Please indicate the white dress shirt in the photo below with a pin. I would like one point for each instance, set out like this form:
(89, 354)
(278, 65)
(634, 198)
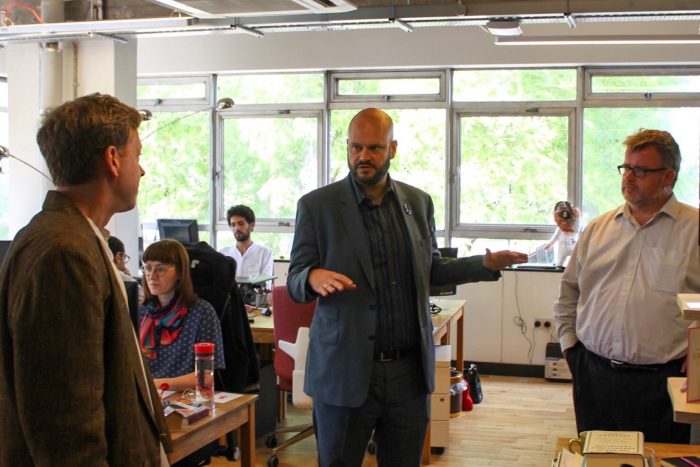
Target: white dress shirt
(256, 260)
(618, 293)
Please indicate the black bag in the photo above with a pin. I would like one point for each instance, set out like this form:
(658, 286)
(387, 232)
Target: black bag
(474, 384)
(214, 280)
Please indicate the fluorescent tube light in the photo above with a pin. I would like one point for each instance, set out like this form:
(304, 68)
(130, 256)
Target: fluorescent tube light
(598, 40)
(251, 31)
(117, 25)
(402, 24)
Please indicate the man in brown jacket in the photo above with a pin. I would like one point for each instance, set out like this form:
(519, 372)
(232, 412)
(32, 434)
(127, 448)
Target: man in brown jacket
(73, 387)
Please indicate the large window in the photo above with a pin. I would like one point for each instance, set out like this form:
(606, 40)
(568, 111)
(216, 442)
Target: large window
(512, 168)
(176, 153)
(420, 154)
(603, 151)
(495, 148)
(268, 164)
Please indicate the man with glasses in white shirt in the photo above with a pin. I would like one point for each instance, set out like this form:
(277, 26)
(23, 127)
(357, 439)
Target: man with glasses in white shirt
(619, 326)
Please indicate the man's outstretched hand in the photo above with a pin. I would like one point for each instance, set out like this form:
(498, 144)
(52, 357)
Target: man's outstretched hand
(502, 259)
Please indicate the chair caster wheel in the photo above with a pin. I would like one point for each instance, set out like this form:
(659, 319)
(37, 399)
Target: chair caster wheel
(273, 461)
(372, 448)
(271, 441)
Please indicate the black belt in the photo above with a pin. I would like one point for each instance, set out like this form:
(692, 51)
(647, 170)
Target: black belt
(623, 366)
(390, 355)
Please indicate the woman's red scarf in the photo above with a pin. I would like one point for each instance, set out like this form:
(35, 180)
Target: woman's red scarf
(161, 326)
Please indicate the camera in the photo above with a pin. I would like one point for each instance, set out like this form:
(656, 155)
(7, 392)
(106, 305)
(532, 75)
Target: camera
(566, 214)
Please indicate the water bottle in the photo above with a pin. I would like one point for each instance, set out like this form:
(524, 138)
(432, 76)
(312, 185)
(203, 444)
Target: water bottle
(204, 371)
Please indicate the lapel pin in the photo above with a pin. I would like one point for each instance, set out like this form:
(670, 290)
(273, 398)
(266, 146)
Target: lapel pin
(407, 208)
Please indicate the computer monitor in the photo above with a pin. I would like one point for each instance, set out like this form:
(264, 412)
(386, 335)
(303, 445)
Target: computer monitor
(182, 230)
(443, 290)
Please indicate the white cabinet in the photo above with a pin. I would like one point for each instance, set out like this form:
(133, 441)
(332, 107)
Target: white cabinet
(440, 398)
(493, 309)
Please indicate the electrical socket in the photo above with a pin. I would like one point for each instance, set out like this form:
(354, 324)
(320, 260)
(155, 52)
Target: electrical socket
(544, 323)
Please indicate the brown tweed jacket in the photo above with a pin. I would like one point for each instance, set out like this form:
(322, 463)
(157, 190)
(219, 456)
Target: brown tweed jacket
(72, 392)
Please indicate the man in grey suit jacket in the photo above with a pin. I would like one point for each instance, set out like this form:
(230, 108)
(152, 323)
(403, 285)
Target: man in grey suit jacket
(365, 247)
(73, 387)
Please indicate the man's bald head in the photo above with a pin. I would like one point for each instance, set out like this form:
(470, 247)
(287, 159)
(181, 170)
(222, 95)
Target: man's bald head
(373, 117)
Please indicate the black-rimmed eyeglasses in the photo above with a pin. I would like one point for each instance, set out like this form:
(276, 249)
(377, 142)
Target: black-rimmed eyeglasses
(639, 172)
(125, 258)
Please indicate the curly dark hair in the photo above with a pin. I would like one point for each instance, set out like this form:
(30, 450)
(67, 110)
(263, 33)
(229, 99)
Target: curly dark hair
(242, 211)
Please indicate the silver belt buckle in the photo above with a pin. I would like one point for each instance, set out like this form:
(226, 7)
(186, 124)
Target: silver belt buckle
(616, 363)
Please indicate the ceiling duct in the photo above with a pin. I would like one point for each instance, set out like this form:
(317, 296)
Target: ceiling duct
(235, 8)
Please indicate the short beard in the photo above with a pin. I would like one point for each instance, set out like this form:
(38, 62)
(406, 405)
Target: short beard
(243, 237)
(374, 180)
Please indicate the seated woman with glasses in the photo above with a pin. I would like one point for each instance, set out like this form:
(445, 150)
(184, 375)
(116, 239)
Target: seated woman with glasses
(172, 319)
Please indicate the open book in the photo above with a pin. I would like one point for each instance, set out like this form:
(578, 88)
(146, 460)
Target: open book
(614, 448)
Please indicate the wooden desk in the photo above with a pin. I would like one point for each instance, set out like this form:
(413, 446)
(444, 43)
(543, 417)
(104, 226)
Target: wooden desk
(660, 449)
(452, 313)
(263, 330)
(239, 413)
(683, 411)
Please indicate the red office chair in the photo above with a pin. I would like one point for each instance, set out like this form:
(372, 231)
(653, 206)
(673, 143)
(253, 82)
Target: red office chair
(288, 317)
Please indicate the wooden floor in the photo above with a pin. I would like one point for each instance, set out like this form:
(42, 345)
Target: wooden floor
(517, 424)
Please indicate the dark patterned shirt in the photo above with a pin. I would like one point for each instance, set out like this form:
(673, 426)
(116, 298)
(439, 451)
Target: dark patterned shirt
(390, 251)
(177, 359)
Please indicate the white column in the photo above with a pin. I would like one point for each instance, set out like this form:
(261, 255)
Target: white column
(109, 67)
(98, 65)
(27, 188)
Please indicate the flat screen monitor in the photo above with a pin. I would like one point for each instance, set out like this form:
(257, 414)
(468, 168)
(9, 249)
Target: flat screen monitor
(182, 230)
(443, 290)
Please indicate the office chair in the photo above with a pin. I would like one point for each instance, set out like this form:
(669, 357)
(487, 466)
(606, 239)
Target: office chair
(291, 322)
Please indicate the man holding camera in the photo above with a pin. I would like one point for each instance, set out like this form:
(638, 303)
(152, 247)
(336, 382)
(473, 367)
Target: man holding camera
(617, 319)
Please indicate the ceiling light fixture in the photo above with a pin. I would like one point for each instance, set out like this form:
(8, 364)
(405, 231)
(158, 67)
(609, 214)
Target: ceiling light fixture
(117, 25)
(598, 40)
(401, 24)
(570, 20)
(504, 27)
(251, 31)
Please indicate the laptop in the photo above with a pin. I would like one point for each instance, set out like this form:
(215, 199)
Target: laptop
(537, 267)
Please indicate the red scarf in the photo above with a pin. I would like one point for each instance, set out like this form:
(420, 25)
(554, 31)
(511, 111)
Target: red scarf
(161, 326)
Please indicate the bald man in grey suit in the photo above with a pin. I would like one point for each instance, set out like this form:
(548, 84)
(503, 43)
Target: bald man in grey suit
(365, 247)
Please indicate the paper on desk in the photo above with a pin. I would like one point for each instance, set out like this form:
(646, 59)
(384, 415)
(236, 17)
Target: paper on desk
(164, 394)
(223, 397)
(569, 459)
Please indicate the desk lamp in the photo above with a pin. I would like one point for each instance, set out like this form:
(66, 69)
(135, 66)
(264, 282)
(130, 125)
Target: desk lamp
(5, 153)
(222, 104)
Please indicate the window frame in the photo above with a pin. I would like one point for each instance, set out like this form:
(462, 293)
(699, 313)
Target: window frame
(274, 225)
(513, 109)
(601, 98)
(337, 76)
(573, 109)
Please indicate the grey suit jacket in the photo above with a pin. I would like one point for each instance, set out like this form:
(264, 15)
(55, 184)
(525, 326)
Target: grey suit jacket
(330, 234)
(72, 391)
